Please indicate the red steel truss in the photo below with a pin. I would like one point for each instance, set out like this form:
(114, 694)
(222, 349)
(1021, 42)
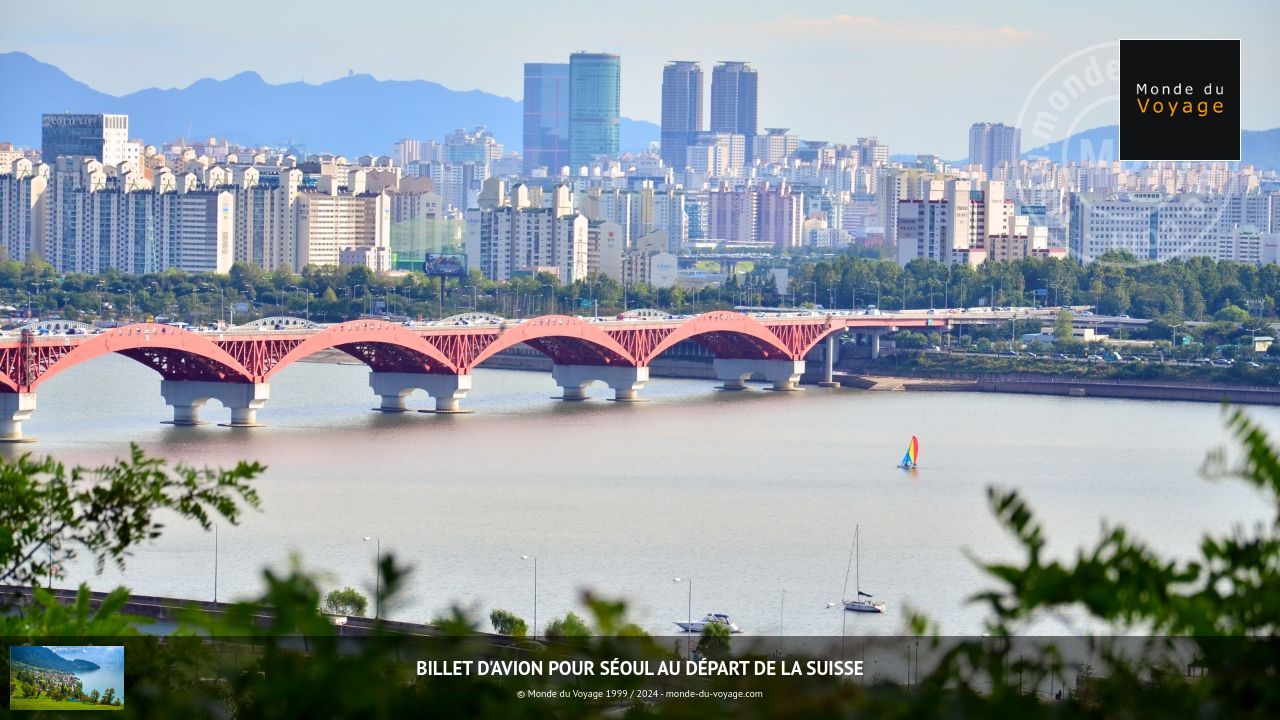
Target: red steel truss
(254, 355)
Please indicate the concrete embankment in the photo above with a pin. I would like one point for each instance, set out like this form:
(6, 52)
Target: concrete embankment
(1109, 389)
(165, 613)
(864, 378)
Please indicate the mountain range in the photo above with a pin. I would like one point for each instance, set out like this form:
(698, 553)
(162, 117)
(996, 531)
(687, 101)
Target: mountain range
(42, 657)
(344, 115)
(1259, 148)
(353, 115)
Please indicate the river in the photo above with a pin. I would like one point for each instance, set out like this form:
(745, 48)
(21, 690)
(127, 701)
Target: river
(754, 496)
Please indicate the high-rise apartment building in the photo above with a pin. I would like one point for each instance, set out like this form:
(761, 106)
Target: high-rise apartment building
(595, 82)
(766, 214)
(957, 221)
(104, 138)
(22, 211)
(734, 102)
(681, 110)
(1158, 226)
(546, 117)
(994, 145)
(775, 146)
(508, 233)
(329, 222)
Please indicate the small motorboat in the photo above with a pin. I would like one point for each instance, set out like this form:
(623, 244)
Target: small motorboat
(708, 619)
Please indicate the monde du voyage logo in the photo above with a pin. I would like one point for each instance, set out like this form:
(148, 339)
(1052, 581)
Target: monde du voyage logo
(1180, 99)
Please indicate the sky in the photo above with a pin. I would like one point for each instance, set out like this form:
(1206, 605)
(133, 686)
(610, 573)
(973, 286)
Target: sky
(916, 74)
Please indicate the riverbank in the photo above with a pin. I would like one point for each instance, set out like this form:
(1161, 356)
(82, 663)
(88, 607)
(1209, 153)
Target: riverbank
(895, 375)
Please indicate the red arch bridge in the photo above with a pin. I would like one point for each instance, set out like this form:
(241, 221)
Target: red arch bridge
(235, 365)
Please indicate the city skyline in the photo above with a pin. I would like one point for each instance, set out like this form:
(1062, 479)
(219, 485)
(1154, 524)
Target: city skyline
(815, 60)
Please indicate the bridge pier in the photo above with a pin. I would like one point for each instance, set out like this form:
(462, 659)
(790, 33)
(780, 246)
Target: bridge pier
(14, 409)
(829, 362)
(188, 396)
(626, 381)
(734, 372)
(394, 388)
(875, 345)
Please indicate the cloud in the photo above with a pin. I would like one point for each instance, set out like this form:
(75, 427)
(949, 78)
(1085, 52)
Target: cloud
(871, 30)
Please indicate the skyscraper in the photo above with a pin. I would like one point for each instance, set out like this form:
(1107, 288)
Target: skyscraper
(546, 116)
(101, 137)
(734, 88)
(595, 81)
(681, 110)
(991, 145)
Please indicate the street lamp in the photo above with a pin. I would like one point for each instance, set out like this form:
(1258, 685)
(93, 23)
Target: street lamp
(689, 626)
(815, 293)
(535, 592)
(377, 588)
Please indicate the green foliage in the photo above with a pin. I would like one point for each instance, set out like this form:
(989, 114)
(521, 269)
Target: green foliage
(570, 626)
(49, 515)
(1063, 325)
(1232, 314)
(957, 365)
(714, 641)
(347, 601)
(506, 622)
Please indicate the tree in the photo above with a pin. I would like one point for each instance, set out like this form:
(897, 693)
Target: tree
(714, 642)
(93, 697)
(506, 622)
(1063, 328)
(49, 514)
(347, 601)
(108, 695)
(1232, 314)
(571, 626)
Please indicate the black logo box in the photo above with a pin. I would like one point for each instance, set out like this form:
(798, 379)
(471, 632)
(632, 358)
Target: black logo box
(1188, 65)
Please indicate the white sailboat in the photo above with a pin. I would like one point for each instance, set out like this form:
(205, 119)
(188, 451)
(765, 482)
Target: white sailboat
(858, 603)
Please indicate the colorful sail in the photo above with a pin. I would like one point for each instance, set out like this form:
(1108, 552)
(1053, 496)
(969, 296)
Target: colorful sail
(913, 452)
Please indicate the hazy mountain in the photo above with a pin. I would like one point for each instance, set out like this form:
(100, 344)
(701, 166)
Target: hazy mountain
(353, 115)
(42, 657)
(1259, 148)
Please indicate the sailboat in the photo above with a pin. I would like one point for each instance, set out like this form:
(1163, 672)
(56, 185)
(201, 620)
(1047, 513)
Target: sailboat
(913, 452)
(858, 603)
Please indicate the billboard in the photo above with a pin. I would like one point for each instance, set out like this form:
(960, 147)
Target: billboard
(445, 265)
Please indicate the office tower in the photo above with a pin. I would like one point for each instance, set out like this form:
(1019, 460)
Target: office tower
(546, 117)
(681, 110)
(595, 81)
(734, 88)
(993, 145)
(102, 137)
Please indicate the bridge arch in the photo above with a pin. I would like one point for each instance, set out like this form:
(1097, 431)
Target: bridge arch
(474, 318)
(279, 322)
(566, 340)
(646, 314)
(175, 353)
(728, 335)
(58, 327)
(382, 345)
